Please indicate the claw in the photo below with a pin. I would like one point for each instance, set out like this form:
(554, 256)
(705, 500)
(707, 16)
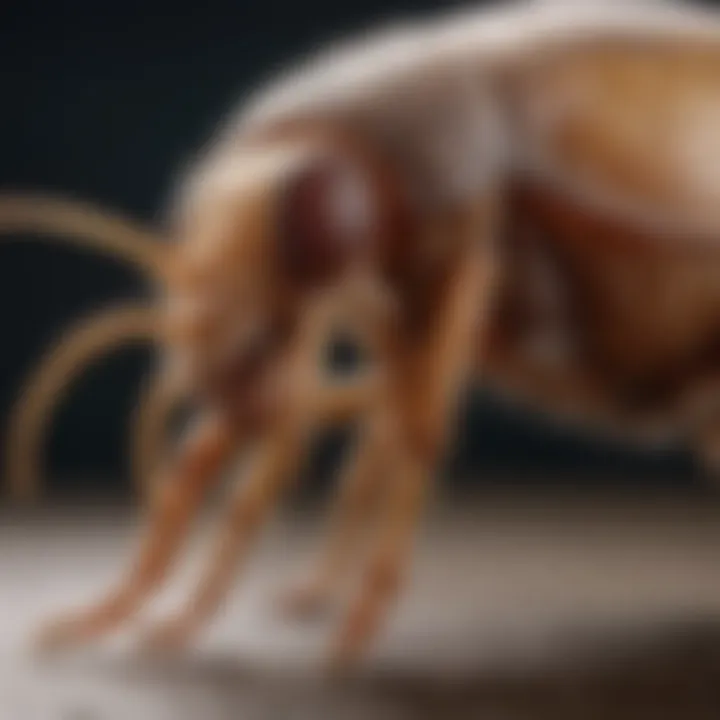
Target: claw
(56, 635)
(308, 601)
(71, 631)
(341, 659)
(169, 636)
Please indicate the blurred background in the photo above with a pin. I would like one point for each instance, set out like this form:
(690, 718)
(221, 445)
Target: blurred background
(104, 102)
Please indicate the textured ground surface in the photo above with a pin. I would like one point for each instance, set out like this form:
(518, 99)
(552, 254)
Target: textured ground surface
(516, 611)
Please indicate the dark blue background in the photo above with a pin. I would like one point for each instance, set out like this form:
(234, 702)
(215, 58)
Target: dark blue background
(103, 102)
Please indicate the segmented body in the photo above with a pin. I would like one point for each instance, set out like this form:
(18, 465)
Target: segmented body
(599, 126)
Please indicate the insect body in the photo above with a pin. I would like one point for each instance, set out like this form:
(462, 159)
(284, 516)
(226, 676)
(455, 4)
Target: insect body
(527, 196)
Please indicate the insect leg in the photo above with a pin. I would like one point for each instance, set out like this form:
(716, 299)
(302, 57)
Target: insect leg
(149, 441)
(195, 469)
(273, 462)
(353, 508)
(426, 378)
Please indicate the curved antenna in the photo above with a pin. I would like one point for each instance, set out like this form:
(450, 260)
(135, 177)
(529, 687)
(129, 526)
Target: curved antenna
(94, 337)
(84, 226)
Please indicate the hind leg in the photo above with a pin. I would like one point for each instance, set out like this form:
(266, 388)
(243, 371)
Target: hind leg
(427, 374)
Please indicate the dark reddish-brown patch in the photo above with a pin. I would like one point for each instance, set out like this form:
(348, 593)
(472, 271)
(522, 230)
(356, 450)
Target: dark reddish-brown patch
(395, 220)
(327, 218)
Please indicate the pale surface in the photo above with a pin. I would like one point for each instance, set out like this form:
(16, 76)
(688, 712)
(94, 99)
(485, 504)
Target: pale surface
(517, 611)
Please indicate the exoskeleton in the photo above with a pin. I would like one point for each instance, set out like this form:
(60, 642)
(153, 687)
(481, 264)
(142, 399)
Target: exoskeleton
(528, 197)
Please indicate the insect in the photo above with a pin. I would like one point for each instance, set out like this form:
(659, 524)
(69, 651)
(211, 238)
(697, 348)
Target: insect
(526, 196)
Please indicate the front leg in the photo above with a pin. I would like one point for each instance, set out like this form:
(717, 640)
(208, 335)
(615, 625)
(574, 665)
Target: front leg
(192, 472)
(427, 374)
(278, 455)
